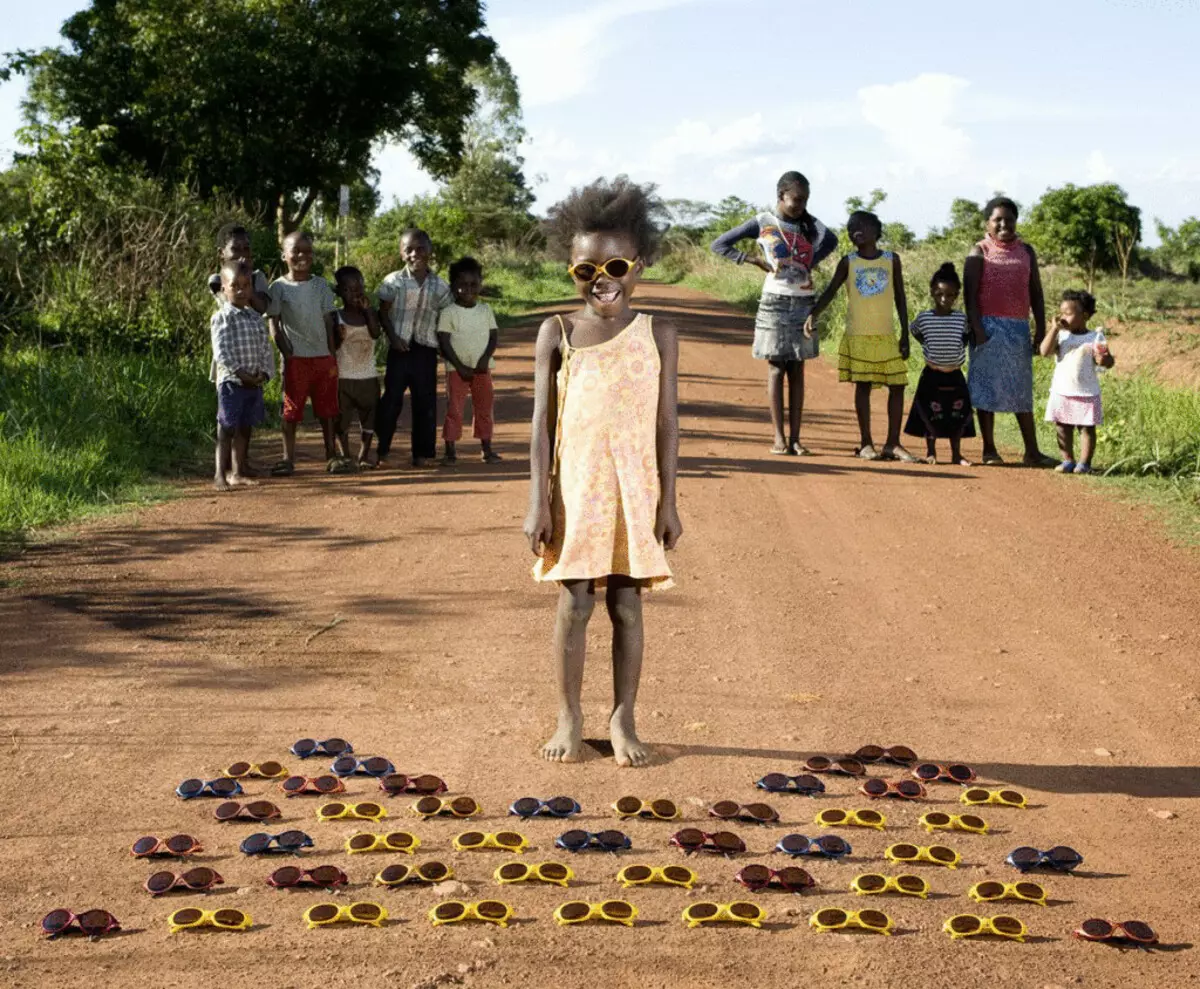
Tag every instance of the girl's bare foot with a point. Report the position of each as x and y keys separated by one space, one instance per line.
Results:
x=567 y=743
x=241 y=481
x=781 y=449
x=931 y=459
x=220 y=483
x=628 y=750
x=898 y=452
x=964 y=462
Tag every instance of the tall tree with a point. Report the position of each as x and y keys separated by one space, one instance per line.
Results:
x=271 y=101
x=1092 y=227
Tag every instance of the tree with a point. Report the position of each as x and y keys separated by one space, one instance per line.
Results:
x=1086 y=226
x=1180 y=250
x=898 y=235
x=856 y=203
x=271 y=101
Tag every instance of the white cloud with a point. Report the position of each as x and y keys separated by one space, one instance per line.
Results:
x=918 y=118
x=1098 y=168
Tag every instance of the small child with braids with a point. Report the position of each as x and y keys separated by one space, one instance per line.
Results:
x=604 y=452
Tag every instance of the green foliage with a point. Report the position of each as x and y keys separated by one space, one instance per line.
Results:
x=273 y=101
x=1180 y=250
x=876 y=198
x=1091 y=227
x=966 y=227
x=898 y=237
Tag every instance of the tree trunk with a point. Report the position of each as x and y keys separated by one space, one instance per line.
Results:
x=285 y=224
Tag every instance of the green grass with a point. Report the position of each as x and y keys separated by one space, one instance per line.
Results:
x=515 y=287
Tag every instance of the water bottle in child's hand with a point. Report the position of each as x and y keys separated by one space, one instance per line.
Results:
x=1100 y=348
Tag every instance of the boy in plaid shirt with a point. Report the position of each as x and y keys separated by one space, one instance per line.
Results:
x=409 y=304
x=242 y=355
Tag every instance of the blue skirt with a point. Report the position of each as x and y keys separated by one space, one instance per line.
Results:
x=779 y=328
x=1000 y=376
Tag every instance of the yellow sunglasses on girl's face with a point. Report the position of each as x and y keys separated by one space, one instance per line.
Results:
x=937 y=854
x=338 y=811
x=738 y=912
x=833 y=919
x=968 y=925
x=615 y=268
x=935 y=820
x=836 y=817
x=546 y=872
x=227 y=919
x=873 y=882
x=458 y=807
x=452 y=911
x=577 y=912
x=320 y=914
x=393 y=841
x=671 y=875
x=508 y=841
x=977 y=795
x=991 y=890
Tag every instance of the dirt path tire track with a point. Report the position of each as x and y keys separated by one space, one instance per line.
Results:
x=1008 y=618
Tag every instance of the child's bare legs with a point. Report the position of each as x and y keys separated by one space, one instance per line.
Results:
x=1033 y=456
x=327 y=436
x=624 y=600
x=1087 y=444
x=987 y=432
x=289 y=441
x=343 y=440
x=1066 y=441
x=931 y=449
x=895 y=411
x=576 y=600
x=241 y=475
x=365 y=456
x=795 y=377
x=956 y=456
x=224 y=458
x=862 y=409
x=776 y=372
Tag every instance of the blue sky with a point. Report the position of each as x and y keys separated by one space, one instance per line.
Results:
x=929 y=101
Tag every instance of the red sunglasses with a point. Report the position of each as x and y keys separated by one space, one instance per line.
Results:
x=178 y=845
x=93 y=923
x=295 y=786
x=325 y=876
x=397 y=783
x=695 y=840
x=198 y=880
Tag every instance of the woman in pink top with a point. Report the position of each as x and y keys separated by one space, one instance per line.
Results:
x=1002 y=284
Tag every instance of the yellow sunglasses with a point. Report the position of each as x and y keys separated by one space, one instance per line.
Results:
x=935 y=820
x=458 y=807
x=393 y=841
x=738 y=912
x=872 y=882
x=670 y=875
x=836 y=817
x=227 y=919
x=546 y=872
x=266 y=770
x=991 y=890
x=338 y=811
x=453 y=911
x=663 y=810
x=320 y=914
x=587 y=271
x=977 y=795
x=578 y=912
x=833 y=919
x=426 y=872
x=968 y=925
x=937 y=854
x=508 y=841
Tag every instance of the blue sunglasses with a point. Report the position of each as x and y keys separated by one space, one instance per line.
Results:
x=1059 y=858
x=223 y=787
x=827 y=846
x=376 y=765
x=286 y=841
x=527 y=807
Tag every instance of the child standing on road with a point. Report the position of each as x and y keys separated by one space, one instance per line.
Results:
x=242 y=358
x=302 y=321
x=358 y=381
x=793 y=243
x=869 y=354
x=233 y=244
x=604 y=452
x=942 y=404
x=468 y=335
x=1075 y=388
x=409 y=304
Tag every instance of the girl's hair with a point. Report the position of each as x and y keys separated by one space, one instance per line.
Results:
x=863 y=216
x=619 y=206
x=947 y=274
x=789 y=180
x=1087 y=301
x=465 y=266
x=344 y=272
x=231 y=231
x=1000 y=202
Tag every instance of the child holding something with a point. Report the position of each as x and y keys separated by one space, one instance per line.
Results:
x=303 y=326
x=793 y=243
x=942 y=404
x=410 y=301
x=869 y=354
x=358 y=381
x=242 y=357
x=604 y=452
x=467 y=334
x=1075 y=388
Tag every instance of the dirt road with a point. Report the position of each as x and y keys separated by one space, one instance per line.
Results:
x=1003 y=617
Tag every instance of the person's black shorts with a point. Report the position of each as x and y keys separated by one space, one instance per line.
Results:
x=358 y=398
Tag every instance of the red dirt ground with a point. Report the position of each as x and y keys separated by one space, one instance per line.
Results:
x=1008 y=618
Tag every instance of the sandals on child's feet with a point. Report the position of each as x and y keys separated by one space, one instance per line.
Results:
x=341 y=465
x=492 y=457
x=285 y=468
x=866 y=453
x=1083 y=468
x=1066 y=467
x=898 y=453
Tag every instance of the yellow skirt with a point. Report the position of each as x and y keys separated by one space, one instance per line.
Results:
x=873 y=358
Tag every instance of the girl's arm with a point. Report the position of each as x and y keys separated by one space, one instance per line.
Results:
x=372 y=321
x=667 y=527
x=827 y=245
x=539 y=523
x=1048 y=347
x=1037 y=298
x=486 y=359
x=839 y=278
x=901 y=304
x=726 y=245
x=972 y=276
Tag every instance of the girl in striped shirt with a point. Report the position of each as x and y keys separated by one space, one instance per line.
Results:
x=942 y=404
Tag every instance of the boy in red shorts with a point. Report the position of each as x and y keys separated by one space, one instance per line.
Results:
x=303 y=324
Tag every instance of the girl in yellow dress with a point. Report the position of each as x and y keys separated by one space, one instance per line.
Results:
x=604 y=452
x=869 y=354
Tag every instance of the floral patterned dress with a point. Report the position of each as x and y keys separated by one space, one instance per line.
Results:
x=605 y=486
